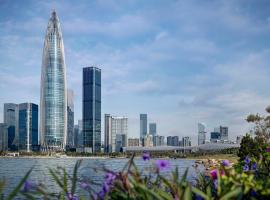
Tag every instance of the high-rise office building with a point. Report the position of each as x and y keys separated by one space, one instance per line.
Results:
x=53 y=95
x=11 y=119
x=153 y=129
x=158 y=140
x=75 y=135
x=28 y=126
x=78 y=135
x=186 y=141
x=172 y=141
x=120 y=142
x=70 y=118
x=214 y=136
x=91 y=113
x=201 y=133
x=114 y=126
x=224 y=132
x=3 y=137
x=143 y=126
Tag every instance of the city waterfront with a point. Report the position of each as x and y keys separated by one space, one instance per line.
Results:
x=13 y=169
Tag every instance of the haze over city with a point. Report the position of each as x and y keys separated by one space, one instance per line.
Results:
x=181 y=62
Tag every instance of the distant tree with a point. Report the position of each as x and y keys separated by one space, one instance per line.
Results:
x=253 y=147
x=249 y=147
x=261 y=129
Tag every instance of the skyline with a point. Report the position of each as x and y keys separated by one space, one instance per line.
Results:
x=134 y=45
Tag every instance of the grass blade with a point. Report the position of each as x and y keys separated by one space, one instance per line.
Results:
x=74 y=178
x=18 y=187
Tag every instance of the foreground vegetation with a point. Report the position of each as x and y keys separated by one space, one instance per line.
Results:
x=249 y=178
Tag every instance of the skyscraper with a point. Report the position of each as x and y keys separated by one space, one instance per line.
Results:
x=224 y=132
x=28 y=126
x=201 y=133
x=53 y=95
x=143 y=126
x=186 y=141
x=91 y=113
x=158 y=140
x=3 y=137
x=172 y=141
x=153 y=129
x=114 y=126
x=11 y=119
x=70 y=118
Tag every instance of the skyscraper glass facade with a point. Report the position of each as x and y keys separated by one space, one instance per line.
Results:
x=143 y=126
x=91 y=112
x=28 y=126
x=114 y=126
x=70 y=118
x=152 y=129
x=53 y=99
x=11 y=119
x=201 y=133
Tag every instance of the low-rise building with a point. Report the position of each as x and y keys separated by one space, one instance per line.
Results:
x=148 y=141
x=133 y=142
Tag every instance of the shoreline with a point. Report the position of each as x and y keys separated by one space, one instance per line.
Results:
x=230 y=157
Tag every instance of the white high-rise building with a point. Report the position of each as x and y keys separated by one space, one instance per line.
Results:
x=53 y=90
x=115 y=128
x=201 y=133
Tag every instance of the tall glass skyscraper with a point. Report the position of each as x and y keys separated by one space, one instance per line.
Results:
x=28 y=126
x=53 y=96
x=11 y=119
x=91 y=113
x=143 y=126
x=153 y=129
x=201 y=133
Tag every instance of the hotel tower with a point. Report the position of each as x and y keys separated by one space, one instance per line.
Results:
x=53 y=94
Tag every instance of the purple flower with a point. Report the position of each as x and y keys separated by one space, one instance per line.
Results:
x=105 y=188
x=247 y=160
x=253 y=193
x=246 y=168
x=268 y=149
x=198 y=197
x=109 y=178
x=84 y=185
x=225 y=163
x=71 y=197
x=162 y=164
x=146 y=156
x=254 y=166
x=28 y=186
x=214 y=174
x=101 y=195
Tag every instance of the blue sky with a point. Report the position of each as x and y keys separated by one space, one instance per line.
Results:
x=181 y=62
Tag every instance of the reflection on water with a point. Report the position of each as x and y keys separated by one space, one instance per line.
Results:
x=13 y=169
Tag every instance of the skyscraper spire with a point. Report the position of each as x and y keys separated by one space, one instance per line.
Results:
x=53 y=96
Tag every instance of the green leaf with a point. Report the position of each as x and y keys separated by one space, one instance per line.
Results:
x=18 y=187
x=200 y=193
x=74 y=178
x=184 y=177
x=187 y=194
x=56 y=179
x=231 y=194
x=65 y=181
